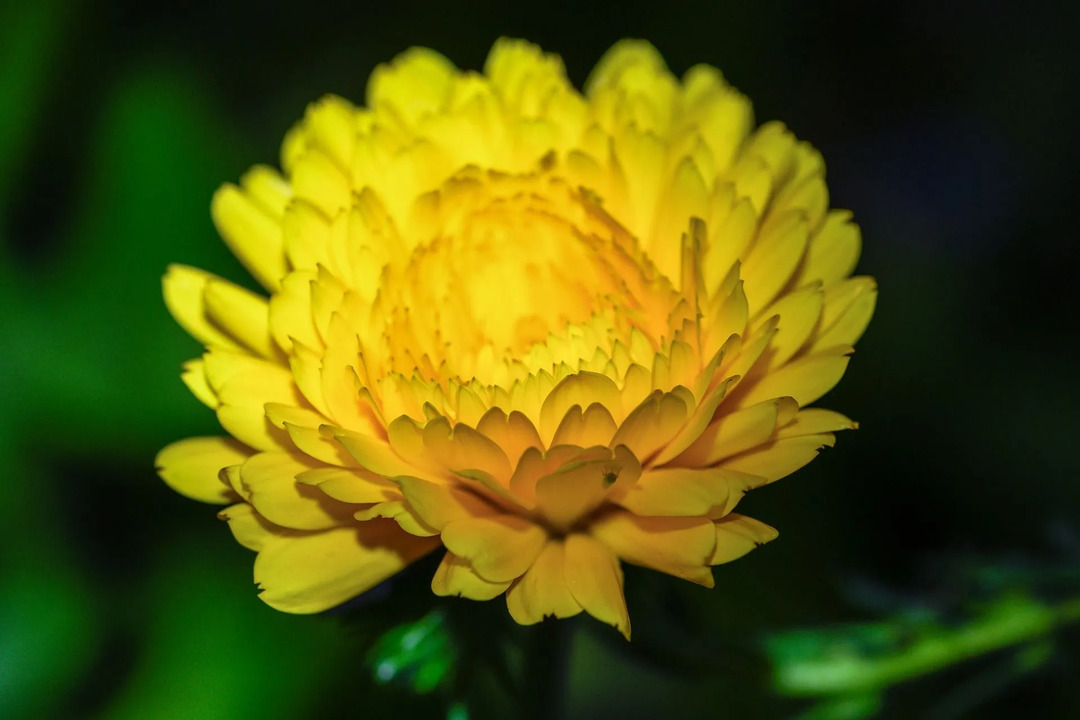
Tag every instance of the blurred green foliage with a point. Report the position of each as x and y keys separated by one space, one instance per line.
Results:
x=119 y=599
x=85 y=377
x=851 y=666
x=418 y=655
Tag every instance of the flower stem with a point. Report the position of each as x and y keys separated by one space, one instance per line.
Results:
x=545 y=669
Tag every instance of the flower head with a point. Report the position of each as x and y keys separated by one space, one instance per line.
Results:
x=553 y=331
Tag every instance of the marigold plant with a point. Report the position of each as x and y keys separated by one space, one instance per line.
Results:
x=547 y=330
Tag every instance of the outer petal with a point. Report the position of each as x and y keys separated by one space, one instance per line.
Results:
x=500 y=547
x=696 y=425
x=618 y=59
x=456 y=576
x=780 y=458
x=596 y=581
x=307 y=432
x=290 y=315
x=653 y=423
x=401 y=513
x=833 y=251
x=194 y=376
x=678 y=546
x=251 y=233
x=374 y=454
x=533 y=465
x=847 y=312
x=244 y=385
x=463 y=448
x=339 y=380
x=184 y=288
x=543 y=590
x=349 y=486
x=813 y=421
x=439 y=505
x=805 y=379
x=737 y=535
x=276 y=494
x=799 y=314
x=574 y=490
x=734 y=433
x=415 y=84
x=310 y=572
x=191 y=467
x=250 y=528
x=774 y=258
x=684 y=492
x=242 y=314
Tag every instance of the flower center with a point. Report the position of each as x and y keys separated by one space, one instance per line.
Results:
x=519 y=265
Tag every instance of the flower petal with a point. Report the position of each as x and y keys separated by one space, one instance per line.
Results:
x=812 y=421
x=543 y=590
x=780 y=458
x=401 y=513
x=847 y=312
x=374 y=454
x=289 y=313
x=184 y=290
x=303 y=426
x=439 y=505
x=535 y=464
x=799 y=314
x=415 y=84
x=653 y=423
x=230 y=476
x=252 y=234
x=774 y=258
x=339 y=378
x=595 y=426
x=455 y=577
x=833 y=251
x=737 y=535
x=582 y=389
x=324 y=187
x=734 y=433
x=268 y=189
x=514 y=433
x=194 y=376
x=805 y=379
x=352 y=486
x=596 y=581
x=462 y=449
x=500 y=547
x=679 y=546
x=192 y=467
x=242 y=314
x=684 y=492
x=250 y=528
x=244 y=385
x=308 y=573
x=575 y=489
x=276 y=494
x=332 y=127
x=695 y=426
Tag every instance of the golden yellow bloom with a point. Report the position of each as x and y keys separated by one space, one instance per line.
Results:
x=555 y=331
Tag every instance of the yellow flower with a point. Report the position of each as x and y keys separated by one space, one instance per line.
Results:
x=556 y=331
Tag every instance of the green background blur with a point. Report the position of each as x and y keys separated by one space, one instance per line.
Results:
x=945 y=129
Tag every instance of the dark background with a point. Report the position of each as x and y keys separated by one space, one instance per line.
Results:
x=945 y=127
